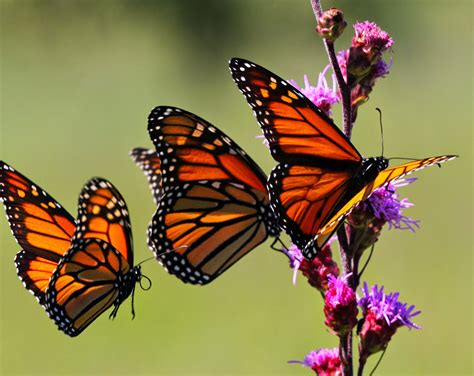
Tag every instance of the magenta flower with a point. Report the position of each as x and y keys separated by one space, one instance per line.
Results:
x=321 y=95
x=325 y=362
x=371 y=38
x=387 y=206
x=382 y=315
x=340 y=306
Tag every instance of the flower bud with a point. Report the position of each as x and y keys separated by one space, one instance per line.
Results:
x=331 y=24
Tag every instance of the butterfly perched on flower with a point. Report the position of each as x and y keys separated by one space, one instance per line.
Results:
x=75 y=269
x=213 y=202
x=321 y=176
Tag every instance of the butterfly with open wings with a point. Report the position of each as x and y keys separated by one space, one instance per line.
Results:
x=75 y=269
x=321 y=176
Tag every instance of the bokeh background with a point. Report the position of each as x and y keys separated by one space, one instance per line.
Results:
x=78 y=79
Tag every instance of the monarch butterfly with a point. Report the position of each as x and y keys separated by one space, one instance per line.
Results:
x=214 y=206
x=76 y=270
x=320 y=176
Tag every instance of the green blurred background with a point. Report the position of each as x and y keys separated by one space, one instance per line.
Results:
x=78 y=79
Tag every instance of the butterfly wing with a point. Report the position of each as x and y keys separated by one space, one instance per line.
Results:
x=103 y=214
x=304 y=197
x=215 y=206
x=85 y=284
x=294 y=127
x=150 y=164
x=40 y=225
x=383 y=178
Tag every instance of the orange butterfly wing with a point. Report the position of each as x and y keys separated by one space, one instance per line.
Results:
x=85 y=284
x=103 y=214
x=150 y=164
x=40 y=225
x=305 y=197
x=295 y=128
x=215 y=204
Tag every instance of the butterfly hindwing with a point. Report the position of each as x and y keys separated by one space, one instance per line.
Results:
x=209 y=225
x=304 y=198
x=87 y=281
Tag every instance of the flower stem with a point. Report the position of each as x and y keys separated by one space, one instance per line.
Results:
x=345 y=346
x=341 y=82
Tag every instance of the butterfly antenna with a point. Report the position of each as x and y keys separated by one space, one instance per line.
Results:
x=133 y=302
x=381 y=126
x=147 y=259
x=162 y=253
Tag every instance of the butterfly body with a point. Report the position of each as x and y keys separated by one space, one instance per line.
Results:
x=321 y=176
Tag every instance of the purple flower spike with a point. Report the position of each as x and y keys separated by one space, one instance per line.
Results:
x=387 y=206
x=325 y=362
x=321 y=95
x=382 y=315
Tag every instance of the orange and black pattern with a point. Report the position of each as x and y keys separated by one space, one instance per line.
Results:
x=103 y=214
x=40 y=225
x=215 y=206
x=90 y=278
x=97 y=271
x=321 y=175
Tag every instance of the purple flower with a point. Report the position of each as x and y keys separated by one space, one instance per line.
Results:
x=324 y=362
x=387 y=307
x=371 y=38
x=321 y=95
x=340 y=306
x=387 y=206
x=382 y=315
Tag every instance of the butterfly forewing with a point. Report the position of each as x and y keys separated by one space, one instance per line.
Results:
x=383 y=178
x=295 y=128
x=40 y=225
x=103 y=214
